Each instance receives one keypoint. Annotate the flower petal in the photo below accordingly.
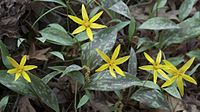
(163, 74)
(187, 65)
(97, 26)
(112, 72)
(159, 56)
(89, 34)
(12, 62)
(79, 29)
(189, 79)
(121, 60)
(76, 19)
(25, 75)
(155, 76)
(149, 58)
(23, 61)
(29, 67)
(169, 82)
(180, 85)
(17, 76)
(170, 65)
(84, 13)
(118, 70)
(116, 52)
(146, 67)
(103, 56)
(102, 68)
(94, 18)
(12, 71)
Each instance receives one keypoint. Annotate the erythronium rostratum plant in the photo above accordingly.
(178, 74)
(113, 62)
(87, 24)
(156, 67)
(20, 69)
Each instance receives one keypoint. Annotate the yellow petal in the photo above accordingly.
(89, 34)
(189, 79)
(79, 29)
(17, 76)
(170, 65)
(155, 76)
(23, 61)
(121, 60)
(103, 56)
(12, 71)
(180, 85)
(97, 26)
(116, 52)
(94, 18)
(118, 70)
(159, 56)
(76, 19)
(187, 65)
(112, 72)
(149, 58)
(12, 62)
(102, 68)
(25, 75)
(84, 13)
(163, 74)
(169, 82)
(29, 67)
(146, 67)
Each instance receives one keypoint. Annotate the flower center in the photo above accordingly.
(156, 66)
(19, 70)
(111, 63)
(86, 23)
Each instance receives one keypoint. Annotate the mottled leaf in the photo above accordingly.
(56, 34)
(132, 64)
(4, 54)
(71, 68)
(55, 1)
(131, 28)
(19, 41)
(172, 90)
(151, 97)
(77, 76)
(83, 101)
(121, 8)
(49, 76)
(58, 54)
(176, 60)
(159, 4)
(186, 8)
(3, 103)
(158, 23)
(103, 40)
(194, 53)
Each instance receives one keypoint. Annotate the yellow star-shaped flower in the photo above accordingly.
(156, 66)
(178, 75)
(113, 62)
(87, 24)
(20, 69)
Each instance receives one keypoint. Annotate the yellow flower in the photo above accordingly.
(178, 75)
(20, 69)
(113, 62)
(156, 66)
(87, 24)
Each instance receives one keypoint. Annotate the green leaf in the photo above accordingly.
(43, 92)
(159, 4)
(131, 29)
(194, 53)
(58, 54)
(3, 103)
(159, 23)
(56, 34)
(58, 68)
(121, 8)
(83, 101)
(193, 70)
(172, 90)
(20, 86)
(104, 40)
(4, 54)
(132, 64)
(49, 76)
(77, 76)
(186, 8)
(55, 1)
(176, 60)
(151, 97)
(94, 11)
(71, 68)
(103, 81)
